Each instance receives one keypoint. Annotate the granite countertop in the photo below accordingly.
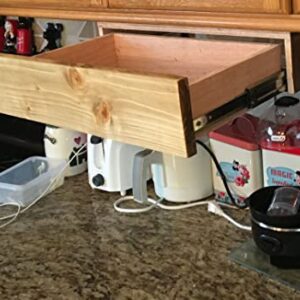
(73, 245)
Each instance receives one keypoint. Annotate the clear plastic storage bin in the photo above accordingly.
(26, 181)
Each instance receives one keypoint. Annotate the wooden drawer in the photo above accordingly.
(251, 6)
(296, 6)
(54, 4)
(143, 90)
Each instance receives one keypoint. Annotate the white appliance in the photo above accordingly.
(61, 143)
(110, 164)
(175, 179)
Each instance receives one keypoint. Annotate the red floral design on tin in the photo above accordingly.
(222, 195)
(244, 172)
(239, 181)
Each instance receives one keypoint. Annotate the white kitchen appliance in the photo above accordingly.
(175, 178)
(279, 137)
(110, 164)
(61, 143)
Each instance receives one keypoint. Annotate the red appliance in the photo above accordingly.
(279, 136)
(24, 36)
(279, 124)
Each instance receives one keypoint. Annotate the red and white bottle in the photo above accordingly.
(24, 36)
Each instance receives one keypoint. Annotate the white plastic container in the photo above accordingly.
(240, 157)
(26, 181)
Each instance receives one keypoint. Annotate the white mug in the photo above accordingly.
(63, 144)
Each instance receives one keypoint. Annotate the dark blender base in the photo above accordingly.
(285, 262)
(277, 236)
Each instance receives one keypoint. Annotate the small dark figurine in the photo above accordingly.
(10, 38)
(236, 165)
(53, 36)
(60, 29)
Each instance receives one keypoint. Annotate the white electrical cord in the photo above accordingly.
(215, 208)
(134, 210)
(14, 216)
(153, 203)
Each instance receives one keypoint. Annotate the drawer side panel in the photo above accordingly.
(222, 87)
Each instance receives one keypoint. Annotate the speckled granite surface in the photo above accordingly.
(73, 245)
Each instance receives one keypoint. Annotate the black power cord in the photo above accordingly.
(223, 176)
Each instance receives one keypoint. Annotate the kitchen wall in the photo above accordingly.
(74, 31)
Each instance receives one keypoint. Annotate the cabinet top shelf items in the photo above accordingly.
(277, 15)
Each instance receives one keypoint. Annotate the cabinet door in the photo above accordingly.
(54, 4)
(251, 6)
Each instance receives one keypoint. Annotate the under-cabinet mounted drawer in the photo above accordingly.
(151, 91)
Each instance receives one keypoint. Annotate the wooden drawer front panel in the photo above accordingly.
(142, 90)
(105, 103)
(149, 110)
(254, 6)
(55, 4)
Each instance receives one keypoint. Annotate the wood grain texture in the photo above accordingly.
(296, 6)
(249, 6)
(191, 58)
(226, 84)
(132, 108)
(55, 4)
(96, 52)
(183, 19)
(214, 78)
(282, 37)
(98, 71)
